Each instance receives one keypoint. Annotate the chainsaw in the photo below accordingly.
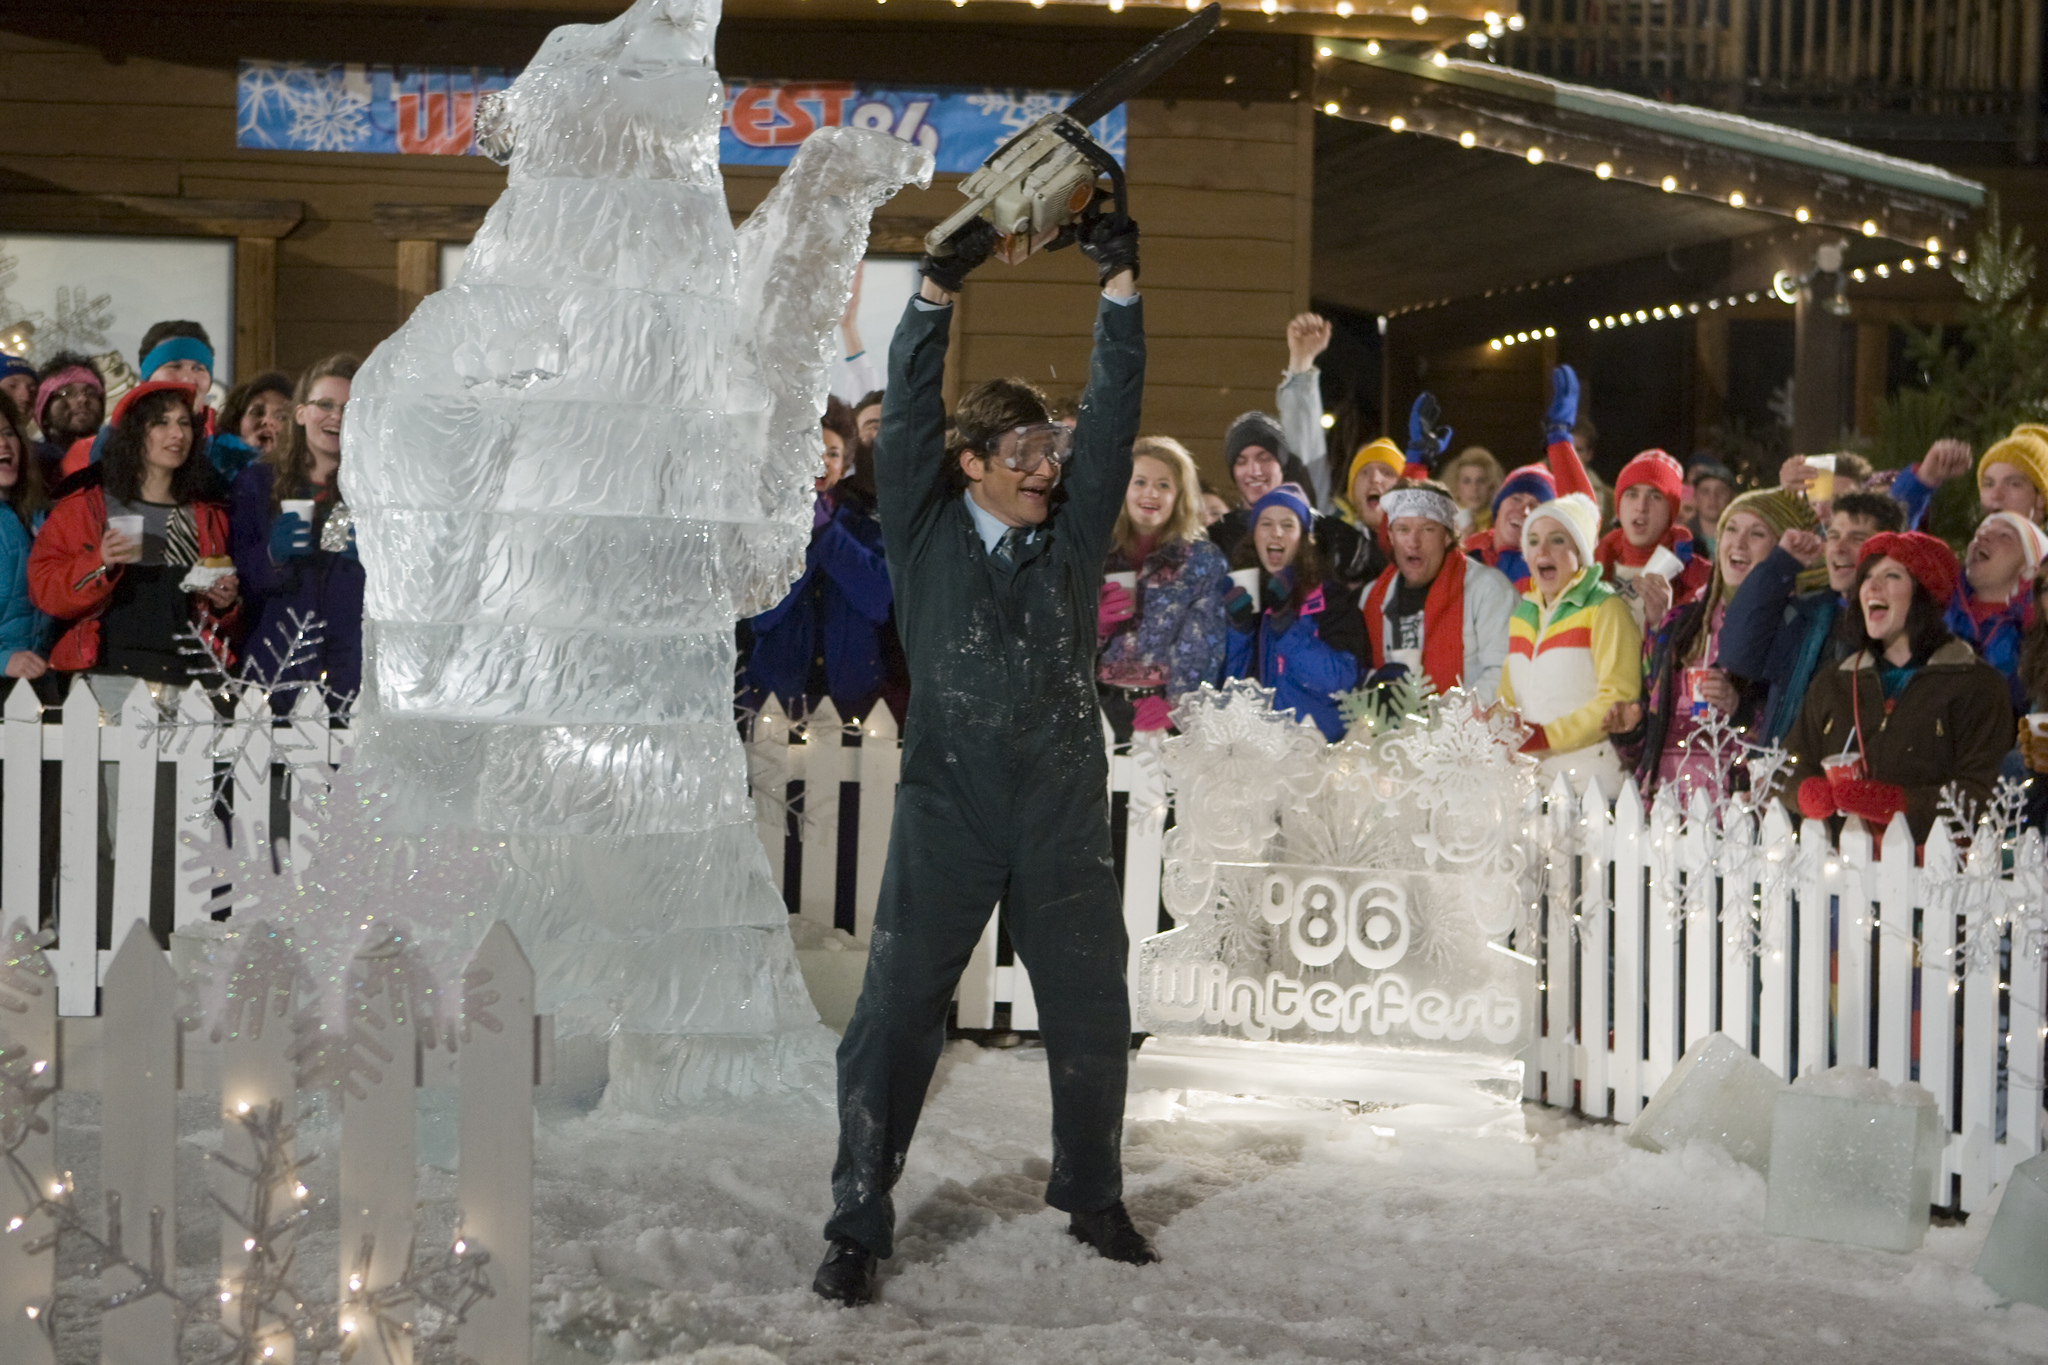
(1045, 177)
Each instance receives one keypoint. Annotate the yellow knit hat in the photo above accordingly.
(1381, 451)
(2025, 450)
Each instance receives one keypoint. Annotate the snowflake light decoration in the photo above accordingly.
(80, 322)
(1235, 761)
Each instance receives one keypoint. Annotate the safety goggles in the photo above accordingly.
(1027, 447)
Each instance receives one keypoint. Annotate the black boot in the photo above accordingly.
(1110, 1232)
(847, 1275)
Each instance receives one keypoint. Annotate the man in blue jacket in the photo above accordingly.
(1777, 635)
(996, 536)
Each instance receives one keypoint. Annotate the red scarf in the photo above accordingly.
(1443, 623)
(1614, 548)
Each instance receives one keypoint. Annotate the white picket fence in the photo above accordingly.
(1631, 977)
(137, 1057)
(1656, 931)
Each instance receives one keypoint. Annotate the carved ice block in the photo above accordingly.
(2014, 1261)
(1853, 1159)
(1717, 1092)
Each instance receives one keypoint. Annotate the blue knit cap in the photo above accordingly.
(12, 365)
(1532, 479)
(1290, 497)
(176, 348)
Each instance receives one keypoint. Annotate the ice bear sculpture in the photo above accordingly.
(570, 472)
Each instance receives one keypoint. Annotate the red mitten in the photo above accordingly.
(1537, 741)
(1816, 798)
(1149, 713)
(1875, 803)
(1114, 607)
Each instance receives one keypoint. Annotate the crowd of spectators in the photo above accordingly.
(1633, 630)
(1619, 626)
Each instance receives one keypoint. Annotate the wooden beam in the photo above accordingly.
(428, 222)
(255, 305)
(150, 215)
(419, 274)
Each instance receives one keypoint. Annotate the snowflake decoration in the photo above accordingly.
(1018, 109)
(1235, 761)
(313, 107)
(80, 323)
(1460, 764)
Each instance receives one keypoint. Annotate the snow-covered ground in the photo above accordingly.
(1292, 1236)
(1288, 1238)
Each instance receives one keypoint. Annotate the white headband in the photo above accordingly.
(1419, 502)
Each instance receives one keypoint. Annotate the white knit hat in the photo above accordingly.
(1577, 513)
(2033, 541)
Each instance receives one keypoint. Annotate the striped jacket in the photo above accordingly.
(1569, 665)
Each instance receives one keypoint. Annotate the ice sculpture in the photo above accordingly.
(1341, 910)
(2014, 1261)
(570, 472)
(1853, 1159)
(1717, 1093)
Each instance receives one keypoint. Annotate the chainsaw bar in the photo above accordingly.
(1144, 66)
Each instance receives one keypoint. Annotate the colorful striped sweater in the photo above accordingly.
(1568, 665)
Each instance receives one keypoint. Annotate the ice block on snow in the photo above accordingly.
(1717, 1092)
(1853, 1159)
(2014, 1261)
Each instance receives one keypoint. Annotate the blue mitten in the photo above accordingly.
(290, 538)
(1428, 439)
(1563, 413)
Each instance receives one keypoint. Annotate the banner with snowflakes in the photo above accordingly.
(765, 120)
(352, 107)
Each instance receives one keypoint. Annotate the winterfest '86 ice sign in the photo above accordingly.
(1356, 893)
(353, 107)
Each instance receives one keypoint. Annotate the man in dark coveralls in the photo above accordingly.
(995, 543)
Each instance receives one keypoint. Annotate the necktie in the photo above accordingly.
(1012, 543)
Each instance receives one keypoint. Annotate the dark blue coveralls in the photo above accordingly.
(1004, 788)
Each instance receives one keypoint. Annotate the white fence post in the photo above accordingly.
(495, 1173)
(1567, 829)
(1852, 947)
(126, 741)
(78, 878)
(1144, 838)
(824, 766)
(1773, 942)
(1625, 1068)
(193, 804)
(1978, 1122)
(138, 1147)
(1595, 946)
(1939, 982)
(21, 807)
(377, 1161)
(1814, 954)
(1661, 852)
(1895, 946)
(28, 1021)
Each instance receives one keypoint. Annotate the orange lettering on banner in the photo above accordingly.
(783, 116)
(448, 127)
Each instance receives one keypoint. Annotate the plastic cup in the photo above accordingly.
(1128, 581)
(1694, 677)
(1822, 489)
(129, 526)
(2037, 723)
(302, 508)
(1248, 579)
(1664, 564)
(1843, 768)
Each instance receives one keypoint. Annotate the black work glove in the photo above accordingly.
(968, 247)
(1111, 241)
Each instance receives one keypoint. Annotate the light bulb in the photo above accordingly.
(1801, 214)
(1322, 52)
(1372, 47)
(1330, 108)
(1670, 183)
(1419, 14)
(1605, 170)
(1397, 123)
(1343, 9)
(1468, 140)
(1439, 59)
(1735, 199)
(1869, 228)
(1535, 155)
(1933, 245)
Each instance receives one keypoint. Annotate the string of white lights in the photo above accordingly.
(1783, 290)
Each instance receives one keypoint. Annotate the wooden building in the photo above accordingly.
(1261, 189)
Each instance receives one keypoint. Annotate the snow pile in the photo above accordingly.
(1861, 1083)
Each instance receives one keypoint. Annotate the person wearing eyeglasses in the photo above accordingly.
(995, 539)
(295, 548)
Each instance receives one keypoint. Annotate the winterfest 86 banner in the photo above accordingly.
(352, 107)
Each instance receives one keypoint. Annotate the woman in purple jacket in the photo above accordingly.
(297, 570)
(1162, 636)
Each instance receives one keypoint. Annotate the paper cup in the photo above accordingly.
(1248, 579)
(129, 526)
(302, 508)
(1822, 489)
(1843, 768)
(2037, 723)
(1127, 581)
(1693, 678)
(1664, 564)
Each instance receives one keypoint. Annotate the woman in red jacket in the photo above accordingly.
(122, 601)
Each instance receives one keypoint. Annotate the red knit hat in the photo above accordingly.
(1658, 470)
(1928, 558)
(129, 398)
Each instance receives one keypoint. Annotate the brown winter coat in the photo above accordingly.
(1952, 723)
